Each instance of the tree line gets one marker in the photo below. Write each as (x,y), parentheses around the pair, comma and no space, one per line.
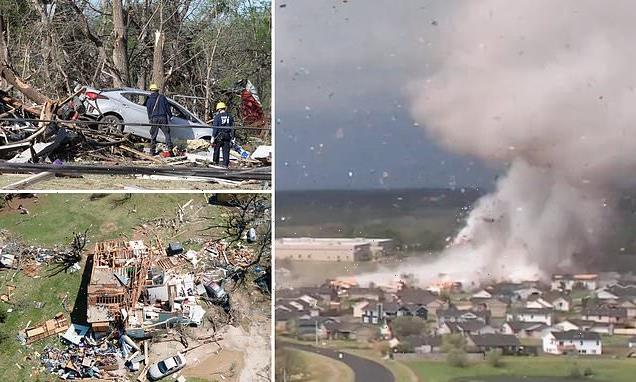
(201,48)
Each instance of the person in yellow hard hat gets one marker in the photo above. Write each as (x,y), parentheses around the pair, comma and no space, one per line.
(159,115)
(222,136)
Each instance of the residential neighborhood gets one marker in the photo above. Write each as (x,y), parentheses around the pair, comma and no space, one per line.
(573,314)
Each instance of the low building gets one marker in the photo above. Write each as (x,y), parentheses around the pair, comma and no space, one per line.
(422,344)
(507,344)
(312,249)
(333,249)
(573,341)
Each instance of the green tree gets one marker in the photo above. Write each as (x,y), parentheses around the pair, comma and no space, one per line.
(408,326)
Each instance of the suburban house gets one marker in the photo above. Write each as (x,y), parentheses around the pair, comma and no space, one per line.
(465,328)
(452,314)
(561,302)
(605,314)
(376,312)
(423,344)
(530,315)
(422,297)
(524,329)
(283,318)
(508,344)
(584,325)
(496,306)
(341,330)
(617,291)
(526,293)
(538,302)
(572,341)
(309,329)
(356,293)
(569,282)
(358,308)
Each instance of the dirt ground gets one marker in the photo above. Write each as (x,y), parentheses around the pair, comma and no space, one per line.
(125,182)
(244,354)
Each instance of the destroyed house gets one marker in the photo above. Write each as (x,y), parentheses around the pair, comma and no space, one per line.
(119,270)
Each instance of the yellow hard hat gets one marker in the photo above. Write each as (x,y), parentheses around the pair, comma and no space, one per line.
(154,87)
(220,106)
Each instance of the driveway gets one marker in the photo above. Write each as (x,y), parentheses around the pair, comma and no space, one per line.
(364,369)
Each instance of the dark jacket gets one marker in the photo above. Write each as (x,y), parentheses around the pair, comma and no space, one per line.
(162,109)
(222,118)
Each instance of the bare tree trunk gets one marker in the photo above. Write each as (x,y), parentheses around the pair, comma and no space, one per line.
(120,47)
(158,75)
(34,95)
(4,49)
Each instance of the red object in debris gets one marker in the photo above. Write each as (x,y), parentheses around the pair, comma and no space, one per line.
(251,108)
(166,154)
(93,96)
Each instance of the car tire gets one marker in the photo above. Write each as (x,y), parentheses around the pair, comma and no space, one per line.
(114,124)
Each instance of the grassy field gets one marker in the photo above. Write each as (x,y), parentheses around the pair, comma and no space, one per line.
(609,370)
(51,221)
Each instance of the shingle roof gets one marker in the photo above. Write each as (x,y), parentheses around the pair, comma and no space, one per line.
(605,311)
(517,326)
(490,340)
(416,296)
(577,335)
(471,326)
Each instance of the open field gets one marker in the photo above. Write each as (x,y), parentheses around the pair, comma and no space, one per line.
(418,219)
(610,370)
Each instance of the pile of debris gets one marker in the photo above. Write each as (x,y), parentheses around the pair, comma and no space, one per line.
(56,137)
(138,293)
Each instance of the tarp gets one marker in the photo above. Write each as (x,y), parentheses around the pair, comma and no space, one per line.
(251,108)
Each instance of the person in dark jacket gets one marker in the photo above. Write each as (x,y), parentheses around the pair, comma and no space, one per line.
(222,137)
(159,113)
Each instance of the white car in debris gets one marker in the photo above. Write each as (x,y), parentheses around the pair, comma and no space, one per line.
(166,367)
(119,107)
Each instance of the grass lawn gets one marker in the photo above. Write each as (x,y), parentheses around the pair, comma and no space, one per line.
(51,221)
(49,290)
(609,370)
(322,368)
(54,217)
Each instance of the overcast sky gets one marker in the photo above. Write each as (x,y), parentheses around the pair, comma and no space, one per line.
(343,119)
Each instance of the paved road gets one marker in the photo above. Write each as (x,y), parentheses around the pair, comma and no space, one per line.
(365,370)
